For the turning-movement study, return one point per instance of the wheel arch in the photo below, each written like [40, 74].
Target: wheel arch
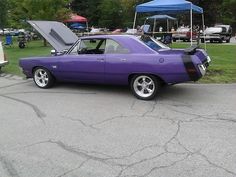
[40, 66]
[134, 74]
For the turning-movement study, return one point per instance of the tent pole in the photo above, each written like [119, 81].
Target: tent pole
[154, 27]
[87, 27]
[203, 31]
[167, 25]
[135, 17]
[191, 23]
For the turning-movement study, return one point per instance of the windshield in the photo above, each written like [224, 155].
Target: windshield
[152, 43]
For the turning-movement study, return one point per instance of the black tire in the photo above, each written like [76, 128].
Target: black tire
[21, 45]
[202, 40]
[43, 78]
[211, 41]
[174, 40]
[220, 41]
[228, 41]
[141, 90]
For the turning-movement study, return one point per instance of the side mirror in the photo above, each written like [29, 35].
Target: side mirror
[53, 52]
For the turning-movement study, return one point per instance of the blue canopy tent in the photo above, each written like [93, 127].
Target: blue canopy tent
[160, 17]
[170, 7]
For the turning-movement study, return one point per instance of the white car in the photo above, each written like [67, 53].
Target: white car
[3, 60]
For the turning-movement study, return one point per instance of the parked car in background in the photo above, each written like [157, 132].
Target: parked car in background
[14, 32]
[117, 31]
[184, 34]
[3, 60]
[219, 33]
[4, 31]
[96, 31]
[131, 31]
[141, 62]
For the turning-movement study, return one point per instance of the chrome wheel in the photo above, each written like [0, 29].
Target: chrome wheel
[144, 86]
[41, 77]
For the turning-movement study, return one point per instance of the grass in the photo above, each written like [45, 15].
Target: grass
[14, 53]
[223, 66]
[221, 70]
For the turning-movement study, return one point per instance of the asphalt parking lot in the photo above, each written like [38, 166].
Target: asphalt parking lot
[77, 130]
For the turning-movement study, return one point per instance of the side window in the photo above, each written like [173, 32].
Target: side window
[90, 46]
[112, 47]
[224, 30]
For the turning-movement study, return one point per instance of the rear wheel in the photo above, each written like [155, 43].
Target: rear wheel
[144, 86]
[43, 78]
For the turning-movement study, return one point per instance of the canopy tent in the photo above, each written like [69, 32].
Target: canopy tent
[76, 18]
[170, 7]
[76, 22]
[160, 17]
[78, 25]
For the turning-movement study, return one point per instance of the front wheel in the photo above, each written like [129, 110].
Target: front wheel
[145, 87]
[43, 78]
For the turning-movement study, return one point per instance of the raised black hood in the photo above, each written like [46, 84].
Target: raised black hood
[56, 33]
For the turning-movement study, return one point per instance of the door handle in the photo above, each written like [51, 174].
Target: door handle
[123, 59]
[100, 59]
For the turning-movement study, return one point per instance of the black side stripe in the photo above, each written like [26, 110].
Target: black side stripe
[190, 68]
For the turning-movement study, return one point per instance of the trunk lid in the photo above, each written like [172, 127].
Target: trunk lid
[56, 33]
[200, 53]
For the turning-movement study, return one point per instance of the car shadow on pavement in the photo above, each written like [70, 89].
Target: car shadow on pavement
[94, 88]
[165, 93]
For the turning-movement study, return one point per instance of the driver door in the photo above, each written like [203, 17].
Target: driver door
[86, 62]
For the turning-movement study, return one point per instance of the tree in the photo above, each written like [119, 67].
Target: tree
[111, 14]
[229, 12]
[39, 9]
[3, 13]
[88, 9]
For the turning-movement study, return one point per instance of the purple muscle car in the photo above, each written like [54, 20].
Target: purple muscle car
[141, 62]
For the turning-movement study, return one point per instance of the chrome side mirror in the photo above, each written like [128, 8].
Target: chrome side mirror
[53, 52]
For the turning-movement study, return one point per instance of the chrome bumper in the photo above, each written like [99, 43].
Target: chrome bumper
[203, 67]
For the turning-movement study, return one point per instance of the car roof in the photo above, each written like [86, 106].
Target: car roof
[130, 42]
[105, 36]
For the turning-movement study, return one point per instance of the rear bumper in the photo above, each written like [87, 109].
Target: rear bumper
[195, 71]
[203, 67]
[3, 63]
